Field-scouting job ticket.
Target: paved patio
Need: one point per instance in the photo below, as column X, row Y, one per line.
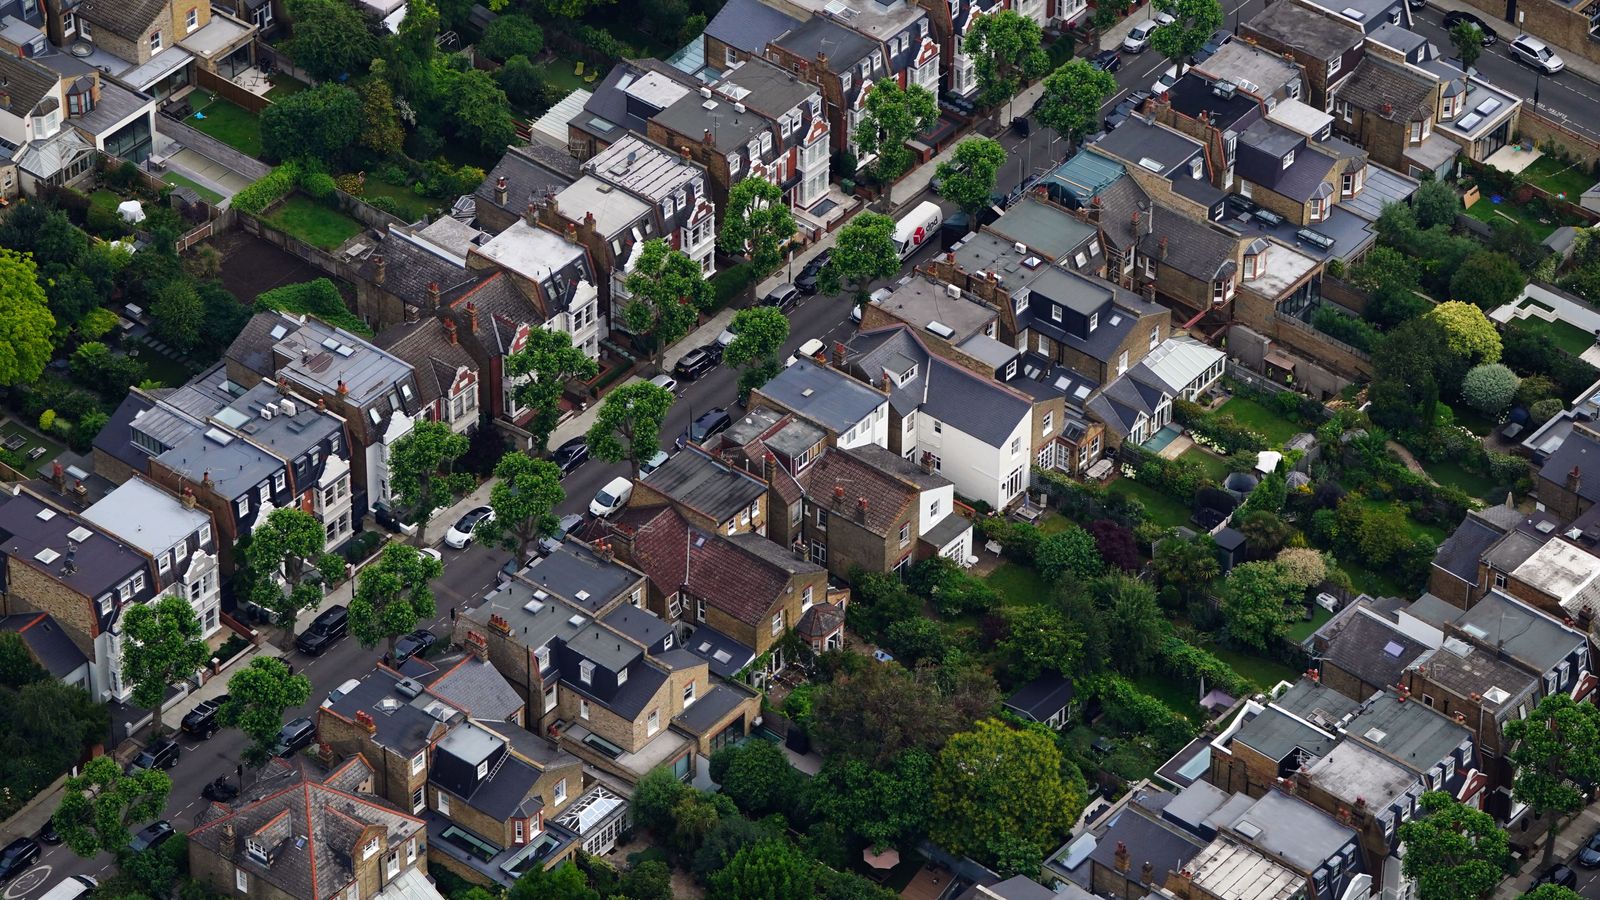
column 1512, row 158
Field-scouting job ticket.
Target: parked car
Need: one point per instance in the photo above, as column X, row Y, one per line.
column 294, row 737
column 202, row 720
column 806, row 281
column 460, row 534
column 570, row 455
column 1125, row 107
column 17, row 857
column 386, row 517
column 612, row 497
column 1589, row 853
column 694, row 364
column 1416, row 4
column 653, row 463
column 1164, row 81
column 1210, row 47
column 48, row 834
column 713, row 350
column 151, row 836
column 712, row 422
column 1022, row 126
column 785, row 296
column 1530, row 51
column 345, row 688
column 1456, row 17
column 1557, row 874
column 666, row 382
column 414, row 644
column 329, row 626
column 808, row 350
column 160, row 754
column 1107, row 60
column 220, row 790
column 552, row 542
column 1138, row 40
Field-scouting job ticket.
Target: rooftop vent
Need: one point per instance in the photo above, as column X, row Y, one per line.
column 953, row 290
column 1249, row 829
column 533, row 606
column 408, row 688
column 388, row 704
column 709, row 105
column 576, row 621
column 705, row 92
column 942, row 330
column 808, row 392
column 1353, row 13
column 581, row 596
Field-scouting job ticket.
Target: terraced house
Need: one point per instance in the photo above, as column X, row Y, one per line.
column 57, row 112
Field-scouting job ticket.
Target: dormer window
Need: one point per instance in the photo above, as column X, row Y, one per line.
column 586, row 672
column 1196, row 167
column 622, row 677
column 254, row 849
column 1334, row 64
column 1222, row 290
column 1447, row 107
column 1288, row 159
column 1094, row 321
column 1252, row 265
column 1055, row 312
column 543, row 655
column 80, row 102
column 1319, row 209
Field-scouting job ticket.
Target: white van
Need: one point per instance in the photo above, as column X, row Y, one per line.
column 71, row 888
column 917, row 227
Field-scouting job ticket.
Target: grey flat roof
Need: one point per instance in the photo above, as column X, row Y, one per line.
column 535, row 620
column 1044, row 226
column 1351, row 771
column 1275, row 734
column 1305, row 698
column 573, row 569
column 116, row 104
column 1411, row 734
column 638, row 624
column 710, row 709
column 1242, row 62
column 366, row 371
column 827, row 396
column 1382, row 187
column 772, row 90
column 1136, row 140
column 1297, row 26
column 235, row 465
column 643, row 167
column 730, row 129
column 1293, row 830
column 600, row 644
column 613, row 210
column 923, row 301
column 146, row 516
column 1526, row 634
column 44, row 637
column 706, row 484
column 402, row 726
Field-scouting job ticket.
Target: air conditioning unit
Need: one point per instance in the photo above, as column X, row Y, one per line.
column 738, row 107
column 1020, row 247
column 288, row 408
column 953, row 291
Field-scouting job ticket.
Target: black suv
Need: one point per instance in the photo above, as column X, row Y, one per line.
column 714, row 422
column 162, row 754
column 295, row 736
column 18, row 857
column 695, row 363
column 326, row 628
column 151, row 836
column 201, row 721
column 414, row 644
column 571, row 455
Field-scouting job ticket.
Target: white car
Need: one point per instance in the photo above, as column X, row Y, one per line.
column 1165, row 82
column 808, row 350
column 460, row 534
column 666, row 382
column 340, row 691
column 652, row 464
column 1531, row 51
column 1138, row 40
column 612, row 497
column 433, row 554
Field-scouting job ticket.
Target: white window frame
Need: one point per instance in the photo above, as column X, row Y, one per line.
column 689, row 695
column 586, row 672
column 583, row 708
column 652, row 723
column 777, row 623
column 191, row 21
column 155, row 42
column 418, row 761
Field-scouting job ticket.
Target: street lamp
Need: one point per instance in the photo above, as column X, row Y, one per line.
column 1538, row 76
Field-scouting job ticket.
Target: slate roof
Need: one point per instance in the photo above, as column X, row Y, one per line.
column 403, row 726
column 252, row 349
column 709, row 709
column 822, row 394
column 573, row 569
column 1201, row 250
column 1136, row 140
column 1373, row 650
column 100, row 564
column 124, row 18
column 724, row 656
column 845, row 47
column 887, row 497
column 1461, row 552
column 748, row 25
column 411, row 264
column 477, row 688
column 1166, row 848
column 1579, row 451
column 977, row 406
column 116, row 438
column 1409, row 733
column 531, row 172
column 47, row 642
column 1376, row 83
column 427, row 347
column 1520, row 631
column 26, row 83
column 637, row 624
column 329, row 820
column 1042, row 697
column 1118, row 203
column 707, row 485
column 1293, row 830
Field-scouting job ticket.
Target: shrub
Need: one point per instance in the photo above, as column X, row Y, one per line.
column 267, row 190
column 1489, row 388
column 384, row 204
column 317, row 297
column 318, row 185
column 47, row 420
column 511, row 35
column 1228, row 435
column 353, row 183
column 1349, row 329
column 1303, row 566
column 1544, row 411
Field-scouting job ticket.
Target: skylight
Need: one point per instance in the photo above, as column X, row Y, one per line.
column 79, row 534
column 1394, row 649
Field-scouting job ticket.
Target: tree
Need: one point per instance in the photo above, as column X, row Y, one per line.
column 1468, row 41
column 1069, row 553
column 330, row 40
column 757, row 223
column 1468, row 333
column 178, row 313
column 1303, row 566
column 1551, row 891
column 864, row 250
column 1453, row 852
column 257, row 696
column 381, row 132
column 100, row 805
column 1435, row 203
column 1252, row 602
column 893, row 115
column 524, row 496
column 17, row 667
column 511, row 35
column 419, row 465
column 95, row 366
column 1004, row 47
column 654, row 798
column 564, row 882
column 319, row 123
column 1488, row 280
column 997, row 789
column 967, row 177
column 758, row 337
column 1188, row 566
column 392, row 595
column 628, row 426
column 161, row 647
column 1194, row 22
column 649, row 879
column 883, row 806
column 884, row 710
column 476, row 109
column 774, row 870
column 1489, row 388
column 523, row 83
column 1041, row 639
column 541, row 370
column 1073, row 95
column 759, row 780
column 667, row 292
column 287, row 567
column 1129, row 611
column 1264, row 532
column 25, row 321
column 1555, row 752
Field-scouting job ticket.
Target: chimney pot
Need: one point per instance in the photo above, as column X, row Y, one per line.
column 472, row 316
column 861, row 507
column 707, row 138
column 381, row 263
column 1574, row 479
column 838, row 493
column 344, row 389
column 433, row 294
column 500, row 193
column 1147, row 872
column 531, row 215
column 450, row 331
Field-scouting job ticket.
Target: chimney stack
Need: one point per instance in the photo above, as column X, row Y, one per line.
column 381, row 263
column 344, row 389
column 478, row 646
column 1147, row 872
column 707, row 138
column 1574, row 479
column 230, row 842
column 364, row 719
column 602, row 549
column 472, row 317
column 433, row 295
column 531, row 215
column 861, row 508
column 572, row 233
column 1120, row 859
column 769, row 467
column 205, row 480
column 838, row 494
column 188, row 497
column 450, row 331
column 500, row 192
column 684, row 152
column 838, row 354
column 927, row 461
column 412, row 314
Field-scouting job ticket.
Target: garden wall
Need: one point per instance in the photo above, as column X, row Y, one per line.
column 1304, row 338
column 1534, row 124
column 323, row 260
column 210, row 147
column 364, row 212
column 1338, row 291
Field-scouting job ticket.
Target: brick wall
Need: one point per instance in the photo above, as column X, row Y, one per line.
column 1449, row 588
column 1244, row 772
column 1293, row 210
column 392, row 778
column 1562, row 503
column 1533, row 123
column 31, row 589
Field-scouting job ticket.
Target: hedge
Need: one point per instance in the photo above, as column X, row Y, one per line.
column 268, row 189
column 317, row 298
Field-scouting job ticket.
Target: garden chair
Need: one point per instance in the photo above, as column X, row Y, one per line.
column 592, row 77
column 578, row 69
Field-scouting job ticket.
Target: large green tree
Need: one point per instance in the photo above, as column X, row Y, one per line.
column 893, row 116
column 1555, row 752
column 772, row 870
column 757, row 223
column 967, row 177
column 161, row 647
column 883, row 806
column 330, row 39
column 1453, row 852
column 419, row 471
column 1487, row 280
column 524, row 496
column 759, row 780
column 1005, row 48
column 100, row 806
column 287, row 567
column 393, row 595
column 884, row 710
column 26, row 324
column 1040, row 638
column 475, row 108
column 381, row 132
column 863, row 251
column 1001, row 796
column 178, row 313
column 541, row 368
column 758, row 337
column 1194, row 22
column 321, row 124
column 628, row 426
column 257, row 696
column 564, row 882
column 666, row 293
column 1073, row 95
column 1187, row 565
column 1467, row 38
column 1253, row 602
column 1068, row 554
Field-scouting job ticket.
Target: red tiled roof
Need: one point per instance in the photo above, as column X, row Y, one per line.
column 673, row 553
column 887, row 497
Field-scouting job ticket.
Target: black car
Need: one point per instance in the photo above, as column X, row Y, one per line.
column 570, row 455
column 695, row 363
column 329, row 626
column 714, row 422
column 201, row 721
column 48, row 834
column 1589, row 853
column 414, row 644
column 1125, row 108
column 811, row 272
column 1456, row 17
column 151, row 836
column 18, row 857
column 1557, row 874
column 715, row 349
column 785, row 296
column 1210, row 47
column 1022, row 126
column 386, row 518
column 220, row 790
column 161, row 754
column 294, row 737
column 1107, row 60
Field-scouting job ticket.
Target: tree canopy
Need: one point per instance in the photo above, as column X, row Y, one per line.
column 1253, row 602
column 161, row 647
column 393, row 595
column 1555, row 752
column 1453, row 852
column 321, row 123
column 667, row 291
column 419, row 471
column 257, row 696
column 1194, row 22
column 524, row 496
column 774, row 870
column 26, row 325
column 893, row 115
column 1468, row 41
column 286, row 566
column 330, row 39
column 759, row 333
column 1005, row 48
column 541, row 369
column 884, row 710
column 100, row 806
column 757, row 223
column 863, row 251
column 1073, row 95
column 628, row 426
column 967, row 178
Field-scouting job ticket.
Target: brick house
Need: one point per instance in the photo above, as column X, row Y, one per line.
column 1327, row 47
column 182, row 34
column 1389, row 109
column 1087, row 325
column 296, row 835
column 554, row 271
column 493, row 323
column 710, row 494
column 1269, row 741
column 1465, row 564
column 56, row 120
column 1362, row 653
column 448, row 386
column 414, row 273
column 741, row 29
column 623, row 102
column 1566, row 482
column 868, row 507
column 523, row 175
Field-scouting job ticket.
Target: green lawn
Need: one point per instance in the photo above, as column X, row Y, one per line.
column 1182, row 697
column 206, row 194
column 1215, row 466
column 1264, row 672
column 1020, row 585
column 1568, row 337
column 1301, row 630
column 558, row 73
column 1451, row 474
column 165, row 369
column 412, row 207
column 1472, row 420
column 1162, row 509
column 233, row 125
column 1418, row 529
column 283, row 86
column 1053, row 523
column 1485, row 211
column 31, row 440
column 1275, row 428
column 318, row 225
column 1372, row 583
column 1558, row 177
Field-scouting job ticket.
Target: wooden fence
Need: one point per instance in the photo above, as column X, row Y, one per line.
column 229, row 91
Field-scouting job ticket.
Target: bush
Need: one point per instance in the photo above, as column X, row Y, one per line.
column 602, row 46
column 267, row 190
column 319, row 185
column 729, row 283
column 511, row 35
column 317, row 297
column 384, row 204
column 1349, row 329
column 1489, row 389
column 47, row 420
column 1544, row 411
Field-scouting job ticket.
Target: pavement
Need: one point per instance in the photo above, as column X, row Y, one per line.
column 1568, row 841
